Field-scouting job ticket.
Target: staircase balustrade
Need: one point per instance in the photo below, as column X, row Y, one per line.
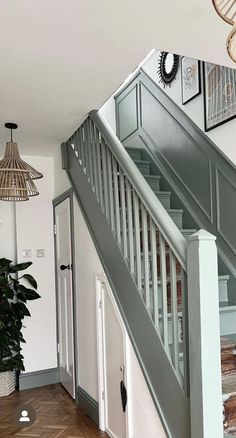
column 171, row 275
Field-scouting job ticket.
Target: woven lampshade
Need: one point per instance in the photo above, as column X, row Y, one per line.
column 13, row 162
column 16, row 186
column 16, row 176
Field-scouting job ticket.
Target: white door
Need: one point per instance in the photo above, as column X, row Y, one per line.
column 113, row 352
column 65, row 296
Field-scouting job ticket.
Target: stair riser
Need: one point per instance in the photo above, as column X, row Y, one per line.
column 154, row 183
column 227, row 320
column 135, row 154
column 223, row 291
column 177, row 218
column 164, row 199
column 144, row 168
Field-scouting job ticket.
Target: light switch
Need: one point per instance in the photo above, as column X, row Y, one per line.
column 27, row 253
column 40, row 252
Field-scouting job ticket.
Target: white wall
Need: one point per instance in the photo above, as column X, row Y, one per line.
column 223, row 136
column 61, row 180
column 7, row 231
column 34, row 220
column 144, row 420
column 108, row 110
column 34, row 230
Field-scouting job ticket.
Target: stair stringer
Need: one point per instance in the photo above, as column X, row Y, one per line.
column 167, row 394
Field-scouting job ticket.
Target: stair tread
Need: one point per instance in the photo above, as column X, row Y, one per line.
column 162, row 192
column 224, row 277
column 225, row 305
column 142, row 161
column 152, row 176
column 134, row 149
column 176, row 210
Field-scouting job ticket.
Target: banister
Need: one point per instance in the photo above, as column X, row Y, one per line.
column 171, row 233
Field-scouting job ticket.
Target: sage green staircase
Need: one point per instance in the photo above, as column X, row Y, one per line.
column 144, row 164
column 155, row 275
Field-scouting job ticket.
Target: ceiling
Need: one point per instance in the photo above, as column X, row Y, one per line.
column 62, row 58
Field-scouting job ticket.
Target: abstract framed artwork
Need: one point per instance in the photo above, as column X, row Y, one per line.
column 190, row 78
column 219, row 95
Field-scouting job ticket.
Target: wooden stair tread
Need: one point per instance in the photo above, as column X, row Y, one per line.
column 229, row 413
column 229, row 385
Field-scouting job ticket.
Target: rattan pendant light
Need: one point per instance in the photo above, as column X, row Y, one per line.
column 16, row 176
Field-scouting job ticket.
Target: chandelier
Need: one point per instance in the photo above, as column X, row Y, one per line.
column 16, row 176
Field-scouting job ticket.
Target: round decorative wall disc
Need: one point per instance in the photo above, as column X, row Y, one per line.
column 226, row 10
column 231, row 44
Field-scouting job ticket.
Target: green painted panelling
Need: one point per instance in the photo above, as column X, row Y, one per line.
column 202, row 180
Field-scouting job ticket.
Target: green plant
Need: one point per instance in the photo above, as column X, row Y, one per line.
column 13, row 299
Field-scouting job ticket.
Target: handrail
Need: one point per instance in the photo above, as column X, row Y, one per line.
column 171, row 233
column 151, row 244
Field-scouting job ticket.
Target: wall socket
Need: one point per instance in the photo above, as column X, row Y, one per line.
column 26, row 253
column 40, row 252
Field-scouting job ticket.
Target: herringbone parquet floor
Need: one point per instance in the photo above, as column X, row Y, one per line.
column 57, row 415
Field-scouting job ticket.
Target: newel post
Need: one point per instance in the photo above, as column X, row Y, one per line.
column 204, row 337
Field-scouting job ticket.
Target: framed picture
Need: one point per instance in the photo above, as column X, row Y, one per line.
column 219, row 95
column 190, row 78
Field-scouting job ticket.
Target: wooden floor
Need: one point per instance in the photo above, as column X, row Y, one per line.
column 57, row 415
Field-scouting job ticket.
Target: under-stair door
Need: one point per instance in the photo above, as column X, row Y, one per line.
column 112, row 366
column 65, row 296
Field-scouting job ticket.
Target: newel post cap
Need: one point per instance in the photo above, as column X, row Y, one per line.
column 201, row 235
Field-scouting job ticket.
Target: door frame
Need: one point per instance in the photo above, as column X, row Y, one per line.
column 68, row 194
column 102, row 398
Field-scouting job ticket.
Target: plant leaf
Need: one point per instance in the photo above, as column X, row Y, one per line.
column 20, row 267
column 32, row 295
column 29, row 294
column 21, row 297
column 30, row 280
column 4, row 265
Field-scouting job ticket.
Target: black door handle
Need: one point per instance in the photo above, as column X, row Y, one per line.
column 123, row 393
column 63, row 267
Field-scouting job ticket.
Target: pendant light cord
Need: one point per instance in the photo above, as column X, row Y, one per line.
column 11, row 135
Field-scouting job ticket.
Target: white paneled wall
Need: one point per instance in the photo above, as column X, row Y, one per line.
column 144, row 420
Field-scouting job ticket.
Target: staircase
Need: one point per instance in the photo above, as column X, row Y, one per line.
column 147, row 169
column 156, row 276
column 228, row 345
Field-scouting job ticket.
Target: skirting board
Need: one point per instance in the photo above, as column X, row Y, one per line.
column 38, row 378
column 88, row 404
